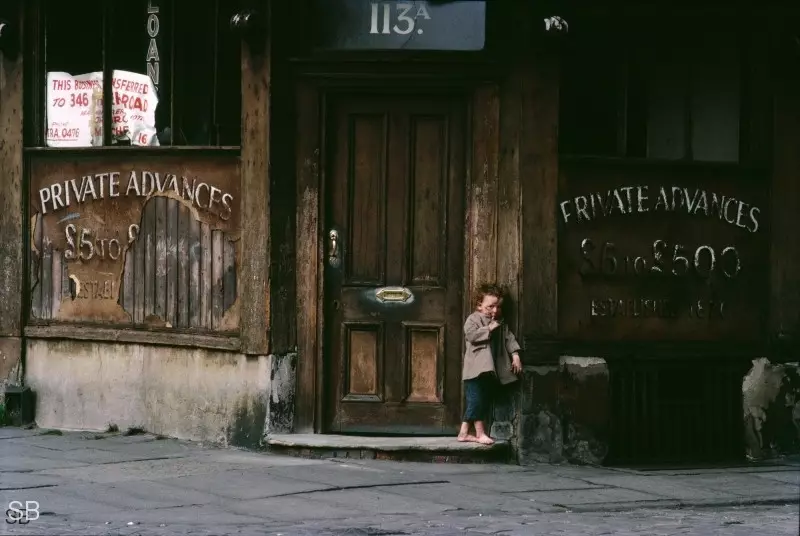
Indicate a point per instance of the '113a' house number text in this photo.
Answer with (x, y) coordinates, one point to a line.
(397, 17)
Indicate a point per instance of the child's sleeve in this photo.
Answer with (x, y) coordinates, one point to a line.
(512, 346)
(475, 333)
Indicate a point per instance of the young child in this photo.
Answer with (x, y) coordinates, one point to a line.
(486, 360)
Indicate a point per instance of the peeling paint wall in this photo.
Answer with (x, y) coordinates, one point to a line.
(771, 395)
(10, 361)
(280, 406)
(564, 412)
(194, 394)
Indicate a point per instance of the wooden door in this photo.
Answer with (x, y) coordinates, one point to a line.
(395, 183)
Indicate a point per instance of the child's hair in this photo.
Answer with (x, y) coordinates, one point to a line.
(488, 289)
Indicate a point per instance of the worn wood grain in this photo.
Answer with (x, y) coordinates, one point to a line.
(539, 75)
(785, 191)
(147, 239)
(12, 262)
(217, 269)
(483, 196)
(160, 257)
(36, 267)
(163, 338)
(153, 286)
(509, 201)
(183, 262)
(206, 275)
(255, 178)
(172, 238)
(283, 196)
(195, 255)
(309, 325)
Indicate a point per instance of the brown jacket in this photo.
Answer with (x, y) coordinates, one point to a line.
(479, 356)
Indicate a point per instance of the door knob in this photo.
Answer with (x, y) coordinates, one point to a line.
(333, 247)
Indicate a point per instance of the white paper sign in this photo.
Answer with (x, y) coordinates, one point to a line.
(133, 107)
(75, 109)
(74, 103)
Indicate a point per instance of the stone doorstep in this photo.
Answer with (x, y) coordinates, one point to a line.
(418, 449)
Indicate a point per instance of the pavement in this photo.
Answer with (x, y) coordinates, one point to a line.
(87, 483)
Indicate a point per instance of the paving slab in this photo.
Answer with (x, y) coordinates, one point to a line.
(788, 477)
(198, 517)
(523, 481)
(152, 447)
(22, 464)
(55, 501)
(8, 432)
(296, 509)
(350, 475)
(599, 495)
(12, 481)
(92, 456)
(242, 459)
(138, 470)
(666, 486)
(378, 500)
(240, 486)
(742, 485)
(469, 499)
(140, 495)
(51, 442)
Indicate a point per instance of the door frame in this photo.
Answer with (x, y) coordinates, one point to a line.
(311, 87)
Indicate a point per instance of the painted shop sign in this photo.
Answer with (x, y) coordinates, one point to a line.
(660, 261)
(135, 241)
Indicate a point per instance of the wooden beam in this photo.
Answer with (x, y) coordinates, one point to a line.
(785, 195)
(309, 253)
(538, 146)
(255, 202)
(12, 260)
(482, 230)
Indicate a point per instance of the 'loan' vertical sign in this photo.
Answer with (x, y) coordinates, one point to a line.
(153, 30)
(156, 62)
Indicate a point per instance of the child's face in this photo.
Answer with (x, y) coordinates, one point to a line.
(490, 306)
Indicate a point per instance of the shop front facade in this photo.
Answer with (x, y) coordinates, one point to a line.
(228, 220)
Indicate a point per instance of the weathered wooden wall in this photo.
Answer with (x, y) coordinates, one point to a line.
(11, 181)
(784, 323)
(255, 169)
(114, 243)
(179, 270)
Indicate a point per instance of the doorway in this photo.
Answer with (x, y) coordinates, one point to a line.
(394, 183)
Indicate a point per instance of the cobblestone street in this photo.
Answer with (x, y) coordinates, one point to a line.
(110, 484)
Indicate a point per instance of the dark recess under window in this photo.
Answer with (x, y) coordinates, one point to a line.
(199, 67)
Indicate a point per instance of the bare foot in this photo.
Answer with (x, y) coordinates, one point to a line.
(467, 437)
(485, 440)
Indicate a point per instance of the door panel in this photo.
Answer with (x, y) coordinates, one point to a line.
(395, 194)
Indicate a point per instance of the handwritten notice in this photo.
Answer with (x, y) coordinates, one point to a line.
(133, 109)
(74, 105)
(75, 109)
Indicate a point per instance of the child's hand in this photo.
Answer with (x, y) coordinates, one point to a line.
(494, 325)
(516, 364)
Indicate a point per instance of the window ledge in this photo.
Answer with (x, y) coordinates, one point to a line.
(134, 149)
(134, 336)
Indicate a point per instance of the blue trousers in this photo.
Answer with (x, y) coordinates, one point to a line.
(478, 394)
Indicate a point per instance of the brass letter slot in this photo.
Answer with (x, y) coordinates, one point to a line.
(393, 294)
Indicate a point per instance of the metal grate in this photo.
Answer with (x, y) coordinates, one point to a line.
(676, 412)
